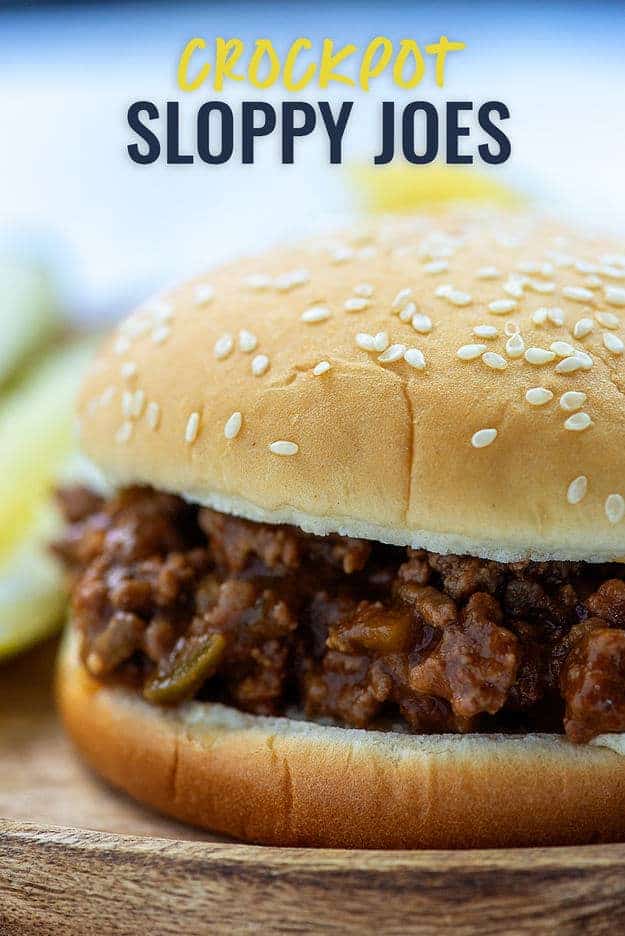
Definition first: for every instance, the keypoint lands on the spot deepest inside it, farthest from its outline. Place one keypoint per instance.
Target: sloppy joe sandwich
(356, 578)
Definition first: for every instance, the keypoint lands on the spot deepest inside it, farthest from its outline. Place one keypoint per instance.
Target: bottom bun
(281, 781)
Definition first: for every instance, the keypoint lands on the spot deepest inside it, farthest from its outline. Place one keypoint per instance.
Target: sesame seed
(458, 298)
(153, 415)
(257, 281)
(576, 490)
(612, 272)
(608, 319)
(365, 342)
(394, 353)
(128, 370)
(247, 340)
(107, 395)
(487, 273)
(283, 447)
(494, 360)
(260, 363)
(159, 310)
(364, 289)
(483, 437)
(321, 368)
(561, 260)
(538, 356)
(367, 253)
(583, 327)
(613, 343)
(341, 254)
(283, 282)
(421, 323)
(582, 266)
(539, 316)
(287, 281)
(381, 341)
(407, 312)
(161, 334)
(569, 365)
(593, 282)
(485, 331)
(122, 345)
(572, 400)
(577, 293)
(615, 508)
(540, 286)
(415, 358)
(615, 295)
(223, 347)
(401, 298)
(586, 359)
(203, 294)
(192, 428)
(233, 425)
(578, 422)
(562, 348)
(436, 266)
(436, 247)
(555, 315)
(135, 326)
(137, 404)
(315, 314)
(403, 250)
(511, 328)
(299, 277)
(455, 296)
(515, 346)
(469, 352)
(538, 396)
(355, 304)
(514, 286)
(534, 267)
(502, 306)
(124, 432)
(127, 403)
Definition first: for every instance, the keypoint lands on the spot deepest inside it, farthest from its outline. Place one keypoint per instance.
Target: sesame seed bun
(257, 389)
(285, 782)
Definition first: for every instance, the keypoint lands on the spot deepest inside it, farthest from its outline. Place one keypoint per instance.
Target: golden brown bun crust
(385, 450)
(284, 782)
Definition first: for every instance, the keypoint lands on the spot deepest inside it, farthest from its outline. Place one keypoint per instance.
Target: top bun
(504, 442)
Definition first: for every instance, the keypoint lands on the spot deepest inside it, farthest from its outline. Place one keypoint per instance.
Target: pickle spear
(36, 437)
(29, 314)
(36, 446)
(32, 592)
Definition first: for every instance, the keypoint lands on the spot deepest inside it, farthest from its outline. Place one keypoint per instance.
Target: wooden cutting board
(78, 858)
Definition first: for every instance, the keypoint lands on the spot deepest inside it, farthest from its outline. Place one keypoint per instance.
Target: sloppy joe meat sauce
(184, 602)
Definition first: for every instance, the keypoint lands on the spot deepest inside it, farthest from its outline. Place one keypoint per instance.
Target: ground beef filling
(184, 602)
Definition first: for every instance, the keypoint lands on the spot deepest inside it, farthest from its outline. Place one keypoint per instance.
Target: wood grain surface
(77, 858)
